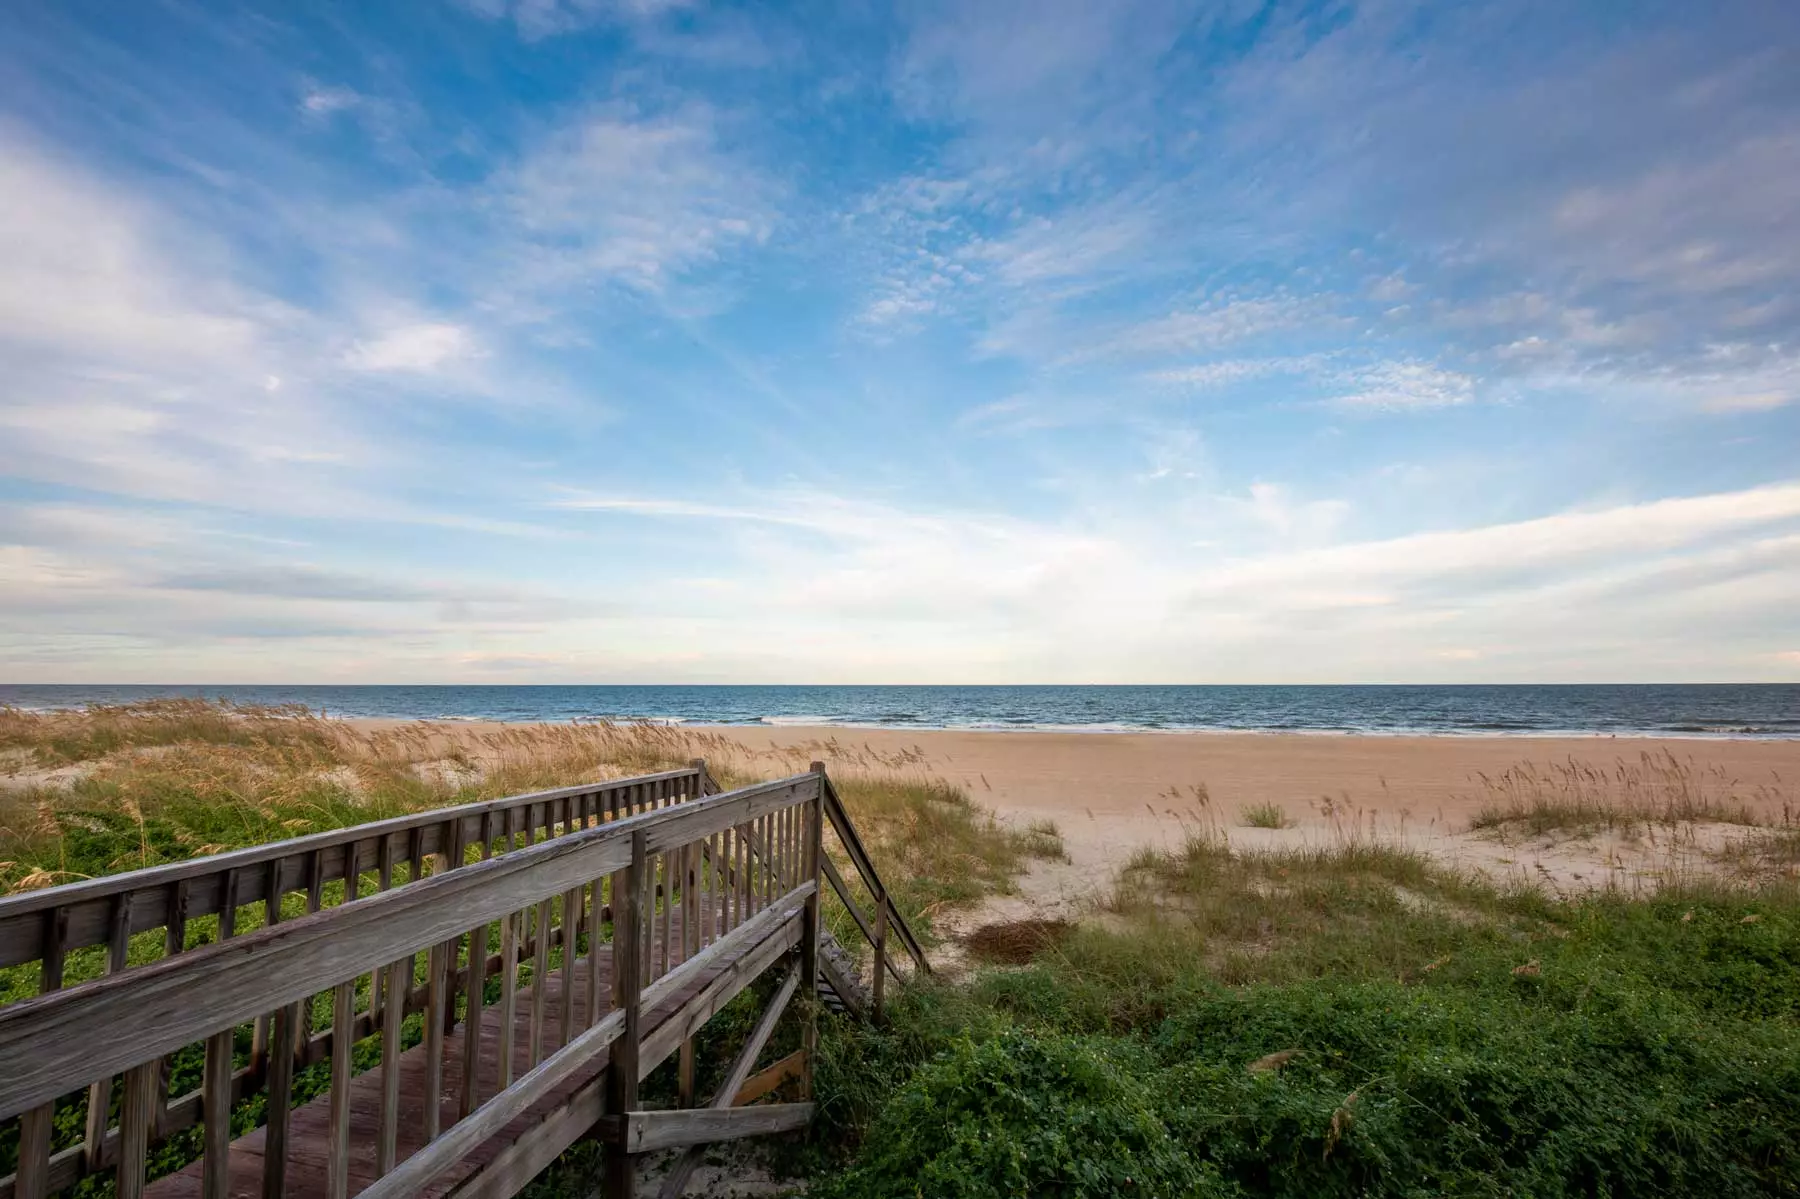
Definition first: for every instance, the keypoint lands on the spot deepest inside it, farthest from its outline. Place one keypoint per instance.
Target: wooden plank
(281, 1097)
(750, 949)
(811, 925)
(470, 1097)
(436, 998)
(218, 1100)
(32, 1178)
(571, 922)
(525, 1145)
(338, 1145)
(648, 1132)
(388, 1130)
(843, 893)
(509, 993)
(89, 903)
(540, 970)
(497, 1113)
(137, 1119)
(620, 1180)
(99, 1110)
(771, 1078)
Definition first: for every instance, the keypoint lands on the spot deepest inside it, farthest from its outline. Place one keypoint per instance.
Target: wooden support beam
(786, 1070)
(648, 1132)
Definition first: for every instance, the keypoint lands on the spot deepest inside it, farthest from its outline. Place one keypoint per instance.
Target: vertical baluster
(592, 1013)
(384, 878)
(715, 884)
(216, 1077)
(436, 996)
(281, 1096)
(540, 973)
(668, 908)
(99, 1109)
(471, 1047)
(337, 1148)
(137, 1119)
(571, 920)
(509, 993)
(31, 1180)
(741, 900)
(393, 1017)
(622, 1073)
(259, 1037)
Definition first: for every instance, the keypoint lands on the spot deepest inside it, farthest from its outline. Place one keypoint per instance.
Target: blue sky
(577, 341)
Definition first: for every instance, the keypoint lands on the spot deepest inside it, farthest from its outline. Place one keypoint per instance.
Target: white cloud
(423, 347)
(1405, 387)
(639, 200)
(322, 101)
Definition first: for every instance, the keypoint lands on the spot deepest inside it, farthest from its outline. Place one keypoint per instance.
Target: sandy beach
(1111, 793)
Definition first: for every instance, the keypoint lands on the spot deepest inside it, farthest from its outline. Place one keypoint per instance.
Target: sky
(573, 341)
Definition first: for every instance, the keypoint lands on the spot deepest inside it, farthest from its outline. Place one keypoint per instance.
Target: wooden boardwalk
(703, 892)
(309, 1126)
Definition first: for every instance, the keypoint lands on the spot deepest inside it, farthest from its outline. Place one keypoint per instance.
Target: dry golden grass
(1654, 789)
(143, 784)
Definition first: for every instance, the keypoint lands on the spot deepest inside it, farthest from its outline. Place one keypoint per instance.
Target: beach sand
(1112, 793)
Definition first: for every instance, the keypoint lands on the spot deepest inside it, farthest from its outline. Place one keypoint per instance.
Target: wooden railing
(578, 914)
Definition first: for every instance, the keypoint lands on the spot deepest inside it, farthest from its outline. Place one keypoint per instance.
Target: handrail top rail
(27, 902)
(345, 940)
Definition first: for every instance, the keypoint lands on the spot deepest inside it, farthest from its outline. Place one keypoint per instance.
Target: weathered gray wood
(847, 989)
(281, 1098)
(648, 1132)
(810, 924)
(137, 1119)
(32, 1179)
(388, 1132)
(881, 962)
(540, 968)
(476, 991)
(435, 990)
(768, 1079)
(629, 923)
(337, 1150)
(497, 1113)
(100, 1093)
(88, 905)
(291, 963)
(509, 992)
(859, 856)
(571, 923)
(844, 896)
(217, 1089)
(756, 945)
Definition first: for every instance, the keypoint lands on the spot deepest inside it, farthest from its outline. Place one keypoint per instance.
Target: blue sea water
(1718, 710)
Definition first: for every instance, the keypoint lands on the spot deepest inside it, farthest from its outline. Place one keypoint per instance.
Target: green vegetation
(1354, 1021)
(1265, 815)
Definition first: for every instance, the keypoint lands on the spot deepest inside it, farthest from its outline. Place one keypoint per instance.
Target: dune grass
(1348, 1020)
(1657, 788)
(1264, 815)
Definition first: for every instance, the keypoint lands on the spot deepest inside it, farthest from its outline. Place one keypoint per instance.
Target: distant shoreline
(1688, 712)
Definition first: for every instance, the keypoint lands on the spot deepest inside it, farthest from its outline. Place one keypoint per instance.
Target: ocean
(1770, 710)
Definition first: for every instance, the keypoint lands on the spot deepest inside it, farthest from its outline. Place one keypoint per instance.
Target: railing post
(809, 935)
(622, 1070)
(881, 925)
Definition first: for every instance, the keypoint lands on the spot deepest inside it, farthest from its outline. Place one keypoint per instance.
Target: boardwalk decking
(308, 1131)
